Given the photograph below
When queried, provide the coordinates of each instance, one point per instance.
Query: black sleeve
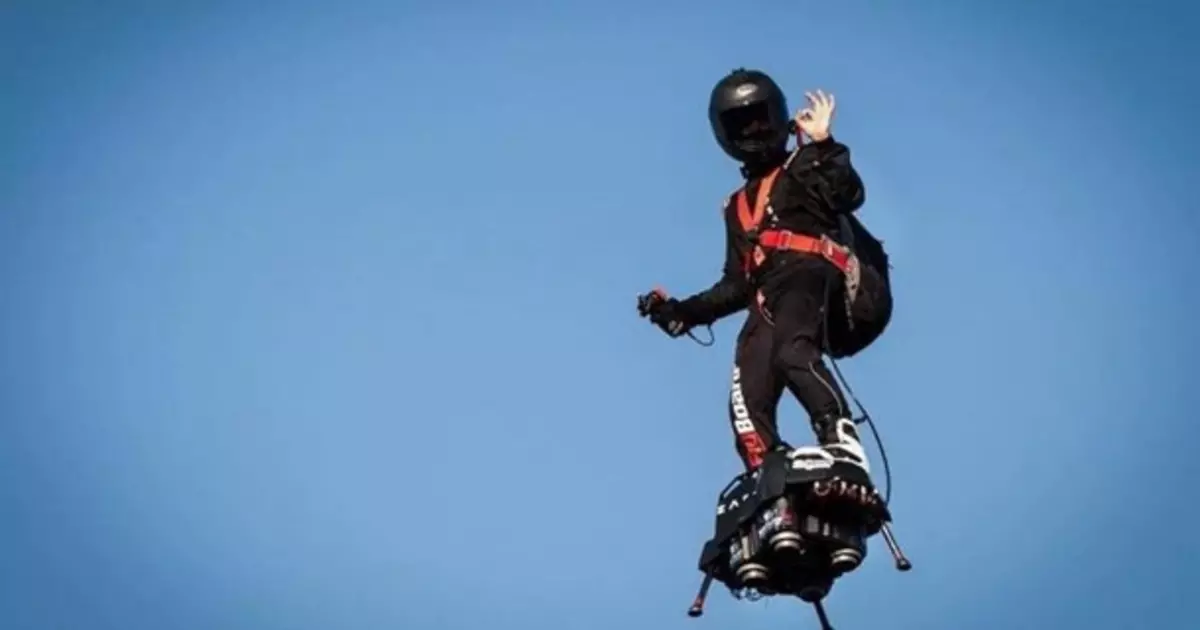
(728, 295)
(824, 167)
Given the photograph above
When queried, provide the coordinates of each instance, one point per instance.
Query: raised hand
(816, 120)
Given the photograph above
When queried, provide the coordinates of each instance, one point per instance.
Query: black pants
(780, 346)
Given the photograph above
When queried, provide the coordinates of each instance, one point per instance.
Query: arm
(824, 167)
(726, 296)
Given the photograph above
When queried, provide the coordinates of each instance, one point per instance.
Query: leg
(753, 398)
(797, 307)
(755, 392)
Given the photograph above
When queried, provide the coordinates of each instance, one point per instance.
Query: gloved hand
(665, 312)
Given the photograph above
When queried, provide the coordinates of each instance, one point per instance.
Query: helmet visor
(749, 126)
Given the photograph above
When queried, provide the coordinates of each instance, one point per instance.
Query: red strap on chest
(751, 218)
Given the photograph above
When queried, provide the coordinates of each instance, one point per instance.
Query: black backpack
(851, 327)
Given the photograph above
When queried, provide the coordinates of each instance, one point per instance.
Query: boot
(839, 437)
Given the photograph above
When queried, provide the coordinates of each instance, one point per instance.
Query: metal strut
(902, 563)
(697, 608)
(821, 616)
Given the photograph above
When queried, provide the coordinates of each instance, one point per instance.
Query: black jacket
(817, 184)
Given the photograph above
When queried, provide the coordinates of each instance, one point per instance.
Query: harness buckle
(785, 239)
(835, 253)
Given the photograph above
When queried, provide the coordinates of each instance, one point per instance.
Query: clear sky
(321, 315)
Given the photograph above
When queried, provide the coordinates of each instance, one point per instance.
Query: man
(806, 293)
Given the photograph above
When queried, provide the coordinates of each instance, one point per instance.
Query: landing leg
(902, 563)
(821, 616)
(697, 608)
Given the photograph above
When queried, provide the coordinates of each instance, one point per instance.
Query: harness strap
(751, 218)
(824, 246)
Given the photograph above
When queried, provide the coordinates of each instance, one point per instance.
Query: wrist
(693, 311)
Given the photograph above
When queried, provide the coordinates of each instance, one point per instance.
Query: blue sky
(322, 315)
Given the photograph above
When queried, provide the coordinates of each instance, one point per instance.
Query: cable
(712, 337)
(866, 417)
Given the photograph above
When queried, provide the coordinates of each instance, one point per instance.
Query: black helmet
(749, 116)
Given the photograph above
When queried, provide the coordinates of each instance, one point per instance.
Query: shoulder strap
(750, 218)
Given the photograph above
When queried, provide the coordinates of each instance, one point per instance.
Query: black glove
(665, 312)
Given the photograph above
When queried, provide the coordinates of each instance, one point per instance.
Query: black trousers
(780, 346)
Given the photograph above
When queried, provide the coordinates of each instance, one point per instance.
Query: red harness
(825, 247)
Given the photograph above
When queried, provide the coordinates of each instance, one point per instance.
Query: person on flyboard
(813, 279)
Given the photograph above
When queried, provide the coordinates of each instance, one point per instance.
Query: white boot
(839, 437)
